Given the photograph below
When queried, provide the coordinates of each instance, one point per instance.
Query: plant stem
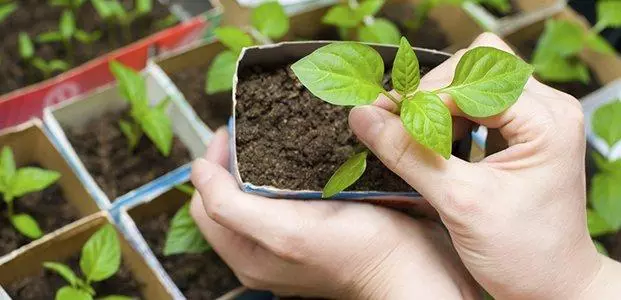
(259, 37)
(10, 211)
(599, 26)
(392, 98)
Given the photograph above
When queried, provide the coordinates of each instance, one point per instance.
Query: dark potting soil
(288, 138)
(48, 207)
(214, 110)
(498, 14)
(37, 16)
(117, 170)
(430, 35)
(198, 276)
(44, 284)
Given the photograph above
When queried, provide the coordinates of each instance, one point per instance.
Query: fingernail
(366, 122)
(202, 171)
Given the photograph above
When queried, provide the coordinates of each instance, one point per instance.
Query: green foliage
(183, 235)
(27, 53)
(26, 47)
(607, 122)
(15, 183)
(346, 175)
(67, 33)
(380, 31)
(422, 9)
(600, 248)
(608, 14)
(270, 20)
(70, 4)
(113, 12)
(100, 260)
(357, 22)
(169, 21)
(6, 10)
(152, 121)
(487, 81)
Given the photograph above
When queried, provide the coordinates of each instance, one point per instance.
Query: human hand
(322, 248)
(517, 218)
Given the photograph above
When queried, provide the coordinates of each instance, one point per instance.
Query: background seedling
(73, 5)
(113, 12)
(183, 235)
(6, 9)
(357, 21)
(269, 21)
(27, 54)
(100, 260)
(15, 183)
(556, 55)
(422, 10)
(487, 81)
(68, 32)
(151, 121)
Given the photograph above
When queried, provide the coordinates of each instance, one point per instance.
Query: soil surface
(574, 88)
(48, 207)
(198, 276)
(45, 284)
(288, 138)
(117, 170)
(214, 110)
(37, 16)
(498, 14)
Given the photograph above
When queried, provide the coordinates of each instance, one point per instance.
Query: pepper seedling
(15, 183)
(422, 10)
(68, 32)
(113, 12)
(100, 259)
(73, 5)
(556, 55)
(6, 9)
(357, 21)
(152, 121)
(269, 21)
(487, 81)
(183, 235)
(27, 54)
(604, 214)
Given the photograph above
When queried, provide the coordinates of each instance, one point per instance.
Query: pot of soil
(190, 274)
(109, 164)
(52, 201)
(24, 276)
(286, 143)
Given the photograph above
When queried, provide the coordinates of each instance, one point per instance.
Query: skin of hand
(517, 218)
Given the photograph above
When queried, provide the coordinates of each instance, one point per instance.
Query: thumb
(446, 184)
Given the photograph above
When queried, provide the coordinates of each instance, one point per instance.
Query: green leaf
(169, 21)
(7, 168)
(605, 165)
(186, 189)
(67, 25)
(163, 105)
(158, 127)
(597, 225)
(26, 48)
(270, 20)
(346, 175)
(599, 44)
(607, 122)
(233, 38)
(101, 255)
(58, 65)
(559, 69)
(117, 297)
(369, 8)
(342, 73)
(26, 225)
(609, 13)
(341, 16)
(487, 81)
(405, 69)
(49, 37)
(600, 248)
(503, 6)
(220, 73)
(381, 31)
(605, 196)
(104, 10)
(183, 235)
(131, 84)
(429, 122)
(71, 293)
(64, 271)
(87, 38)
(143, 7)
(30, 179)
(560, 37)
(132, 133)
(6, 10)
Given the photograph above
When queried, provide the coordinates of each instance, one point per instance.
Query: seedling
(6, 9)
(100, 260)
(15, 183)
(73, 5)
(556, 56)
(487, 81)
(183, 235)
(169, 21)
(269, 21)
(357, 21)
(604, 216)
(68, 32)
(113, 12)
(151, 121)
(27, 54)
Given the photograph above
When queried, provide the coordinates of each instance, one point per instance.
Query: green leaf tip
(405, 69)
(429, 121)
(346, 175)
(101, 255)
(183, 235)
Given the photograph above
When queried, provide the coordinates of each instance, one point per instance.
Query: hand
(517, 218)
(322, 248)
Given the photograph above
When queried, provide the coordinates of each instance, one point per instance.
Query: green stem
(70, 52)
(599, 26)
(393, 99)
(10, 209)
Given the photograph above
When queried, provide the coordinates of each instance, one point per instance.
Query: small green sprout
(27, 54)
(356, 21)
(152, 121)
(6, 9)
(183, 235)
(100, 260)
(113, 12)
(73, 5)
(68, 32)
(269, 21)
(487, 81)
(15, 183)
(556, 57)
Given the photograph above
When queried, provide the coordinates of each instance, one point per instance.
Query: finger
(217, 151)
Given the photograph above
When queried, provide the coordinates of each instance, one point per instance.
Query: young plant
(357, 21)
(6, 9)
(422, 10)
(269, 21)
(68, 32)
(183, 235)
(113, 12)
(487, 81)
(15, 183)
(73, 5)
(556, 55)
(27, 54)
(152, 121)
(604, 214)
(100, 260)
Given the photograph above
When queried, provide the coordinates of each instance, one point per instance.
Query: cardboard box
(68, 242)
